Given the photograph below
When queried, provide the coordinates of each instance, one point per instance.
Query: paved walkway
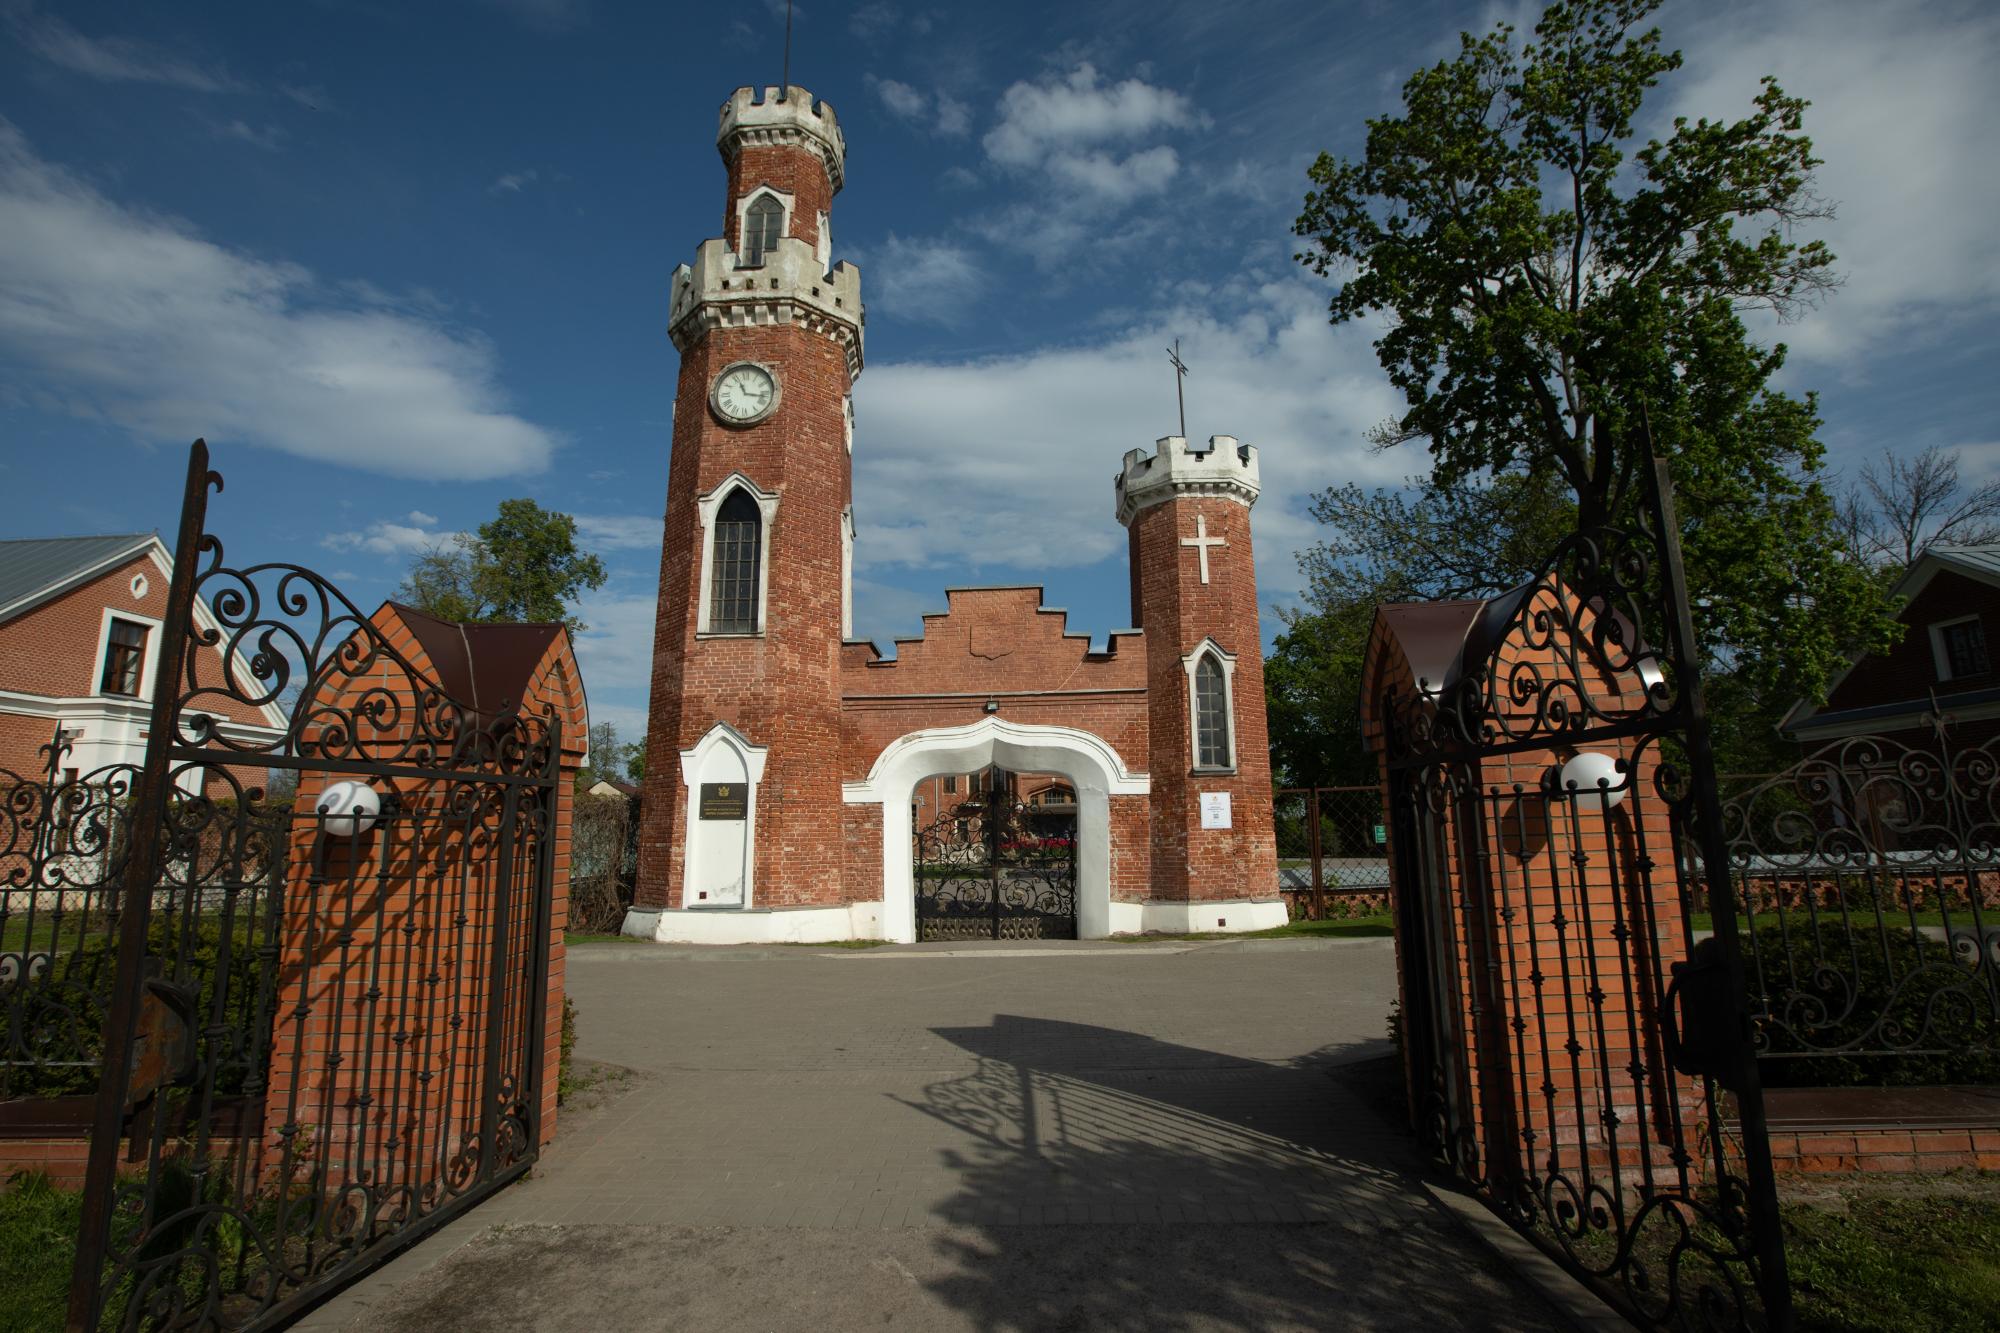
(1105, 1136)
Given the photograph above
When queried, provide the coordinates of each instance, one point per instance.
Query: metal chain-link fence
(1333, 851)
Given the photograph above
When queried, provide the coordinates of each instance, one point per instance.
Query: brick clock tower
(1186, 513)
(743, 764)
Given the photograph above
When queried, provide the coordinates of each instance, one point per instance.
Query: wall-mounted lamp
(1599, 783)
(992, 705)
(348, 809)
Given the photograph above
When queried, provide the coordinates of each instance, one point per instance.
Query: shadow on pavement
(1214, 1191)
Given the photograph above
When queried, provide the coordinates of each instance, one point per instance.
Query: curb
(1580, 1307)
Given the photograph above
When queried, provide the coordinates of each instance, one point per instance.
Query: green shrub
(566, 1082)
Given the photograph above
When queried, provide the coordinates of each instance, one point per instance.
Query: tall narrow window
(1964, 645)
(1211, 715)
(762, 224)
(124, 655)
(732, 597)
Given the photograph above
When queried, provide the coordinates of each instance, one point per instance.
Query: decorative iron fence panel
(1869, 876)
(1570, 1034)
(996, 868)
(322, 1020)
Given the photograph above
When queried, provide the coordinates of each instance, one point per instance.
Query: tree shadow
(1114, 1181)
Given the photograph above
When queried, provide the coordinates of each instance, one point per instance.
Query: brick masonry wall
(1884, 1149)
(1908, 669)
(1179, 610)
(781, 688)
(787, 170)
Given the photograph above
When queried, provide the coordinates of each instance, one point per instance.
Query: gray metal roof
(31, 570)
(1983, 559)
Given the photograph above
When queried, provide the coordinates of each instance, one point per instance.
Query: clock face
(744, 393)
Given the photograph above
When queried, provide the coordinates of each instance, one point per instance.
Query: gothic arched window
(763, 223)
(732, 598)
(1211, 714)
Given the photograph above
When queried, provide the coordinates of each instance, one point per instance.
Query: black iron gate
(995, 868)
(321, 1019)
(1568, 941)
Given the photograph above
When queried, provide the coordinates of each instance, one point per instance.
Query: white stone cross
(1201, 541)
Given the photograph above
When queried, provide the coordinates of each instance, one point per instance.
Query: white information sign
(1215, 809)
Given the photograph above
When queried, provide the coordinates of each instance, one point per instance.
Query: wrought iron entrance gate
(1568, 937)
(995, 868)
(321, 1019)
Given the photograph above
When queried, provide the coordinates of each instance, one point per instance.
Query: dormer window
(763, 223)
(1959, 647)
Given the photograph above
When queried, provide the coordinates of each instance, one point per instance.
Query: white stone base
(792, 925)
(1178, 918)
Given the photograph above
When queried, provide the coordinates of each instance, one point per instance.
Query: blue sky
(399, 262)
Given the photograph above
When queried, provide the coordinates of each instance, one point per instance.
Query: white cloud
(941, 113)
(133, 318)
(115, 59)
(270, 138)
(1903, 107)
(511, 182)
(1034, 440)
(1047, 121)
(416, 532)
(932, 281)
(615, 655)
(619, 532)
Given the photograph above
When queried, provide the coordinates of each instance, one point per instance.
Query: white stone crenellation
(791, 286)
(759, 116)
(1226, 469)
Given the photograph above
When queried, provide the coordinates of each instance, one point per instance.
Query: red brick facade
(52, 652)
(815, 715)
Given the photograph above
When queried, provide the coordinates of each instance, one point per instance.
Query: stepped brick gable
(785, 757)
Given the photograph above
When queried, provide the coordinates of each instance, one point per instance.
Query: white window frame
(706, 508)
(1227, 661)
(694, 764)
(1942, 659)
(147, 659)
(783, 201)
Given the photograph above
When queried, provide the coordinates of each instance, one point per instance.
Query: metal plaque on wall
(725, 800)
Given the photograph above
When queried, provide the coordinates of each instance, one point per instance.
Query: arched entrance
(989, 865)
(1093, 770)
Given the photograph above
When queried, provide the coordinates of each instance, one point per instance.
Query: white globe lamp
(348, 809)
(1597, 783)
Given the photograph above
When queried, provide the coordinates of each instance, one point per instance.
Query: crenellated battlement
(1226, 468)
(790, 286)
(759, 116)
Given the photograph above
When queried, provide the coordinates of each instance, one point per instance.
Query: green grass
(18, 933)
(1345, 928)
(38, 1225)
(1912, 1265)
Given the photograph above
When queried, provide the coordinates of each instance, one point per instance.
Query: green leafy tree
(522, 565)
(1433, 543)
(635, 761)
(1561, 298)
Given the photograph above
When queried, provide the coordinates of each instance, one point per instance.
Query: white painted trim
(1227, 660)
(753, 757)
(793, 925)
(783, 200)
(1090, 766)
(148, 658)
(1180, 918)
(116, 707)
(1939, 657)
(847, 573)
(705, 509)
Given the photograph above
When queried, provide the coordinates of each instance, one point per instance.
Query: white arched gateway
(1086, 761)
